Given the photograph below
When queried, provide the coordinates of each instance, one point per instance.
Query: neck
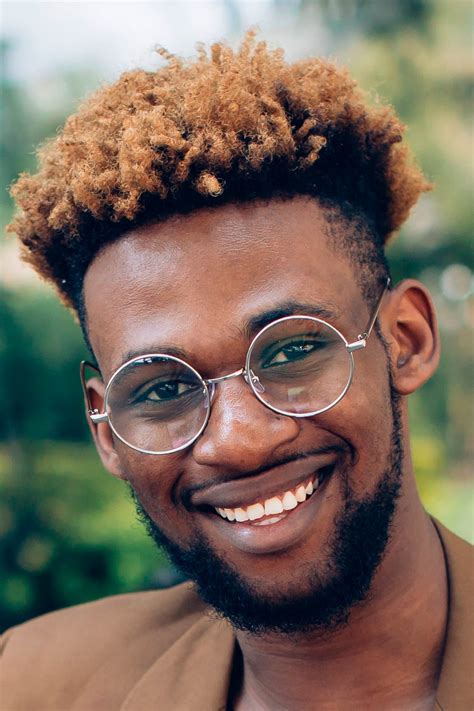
(387, 656)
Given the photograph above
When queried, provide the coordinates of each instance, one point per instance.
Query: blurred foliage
(68, 533)
(372, 18)
(68, 530)
(30, 114)
(40, 348)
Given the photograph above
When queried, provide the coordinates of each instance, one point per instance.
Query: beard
(362, 533)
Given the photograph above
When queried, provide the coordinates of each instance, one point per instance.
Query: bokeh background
(68, 530)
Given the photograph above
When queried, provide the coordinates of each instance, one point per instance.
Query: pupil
(169, 389)
(298, 348)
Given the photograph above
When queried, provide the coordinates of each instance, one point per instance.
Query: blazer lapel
(194, 673)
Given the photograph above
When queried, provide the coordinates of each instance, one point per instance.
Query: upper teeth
(286, 501)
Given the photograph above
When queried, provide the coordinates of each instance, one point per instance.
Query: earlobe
(410, 326)
(101, 433)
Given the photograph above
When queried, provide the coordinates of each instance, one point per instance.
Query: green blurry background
(68, 530)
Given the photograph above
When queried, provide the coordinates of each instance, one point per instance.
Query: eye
(281, 354)
(164, 391)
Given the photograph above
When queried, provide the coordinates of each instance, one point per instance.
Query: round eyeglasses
(298, 366)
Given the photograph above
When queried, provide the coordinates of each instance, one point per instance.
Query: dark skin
(192, 282)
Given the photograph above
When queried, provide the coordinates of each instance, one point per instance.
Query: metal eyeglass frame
(250, 378)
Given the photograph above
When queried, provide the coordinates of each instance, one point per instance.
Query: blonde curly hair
(226, 126)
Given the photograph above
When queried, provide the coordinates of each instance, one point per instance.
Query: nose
(242, 434)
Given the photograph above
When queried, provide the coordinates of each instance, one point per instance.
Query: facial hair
(362, 532)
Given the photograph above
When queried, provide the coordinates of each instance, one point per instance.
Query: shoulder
(71, 644)
(171, 611)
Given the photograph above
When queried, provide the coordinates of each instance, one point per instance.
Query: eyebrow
(250, 328)
(164, 348)
(288, 308)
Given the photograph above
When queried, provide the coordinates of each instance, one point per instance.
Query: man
(218, 226)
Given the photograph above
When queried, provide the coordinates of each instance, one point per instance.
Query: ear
(410, 327)
(101, 432)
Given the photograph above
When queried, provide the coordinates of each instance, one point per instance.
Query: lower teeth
(268, 521)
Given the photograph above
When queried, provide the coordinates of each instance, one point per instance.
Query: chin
(299, 589)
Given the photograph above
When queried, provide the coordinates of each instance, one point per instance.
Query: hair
(227, 126)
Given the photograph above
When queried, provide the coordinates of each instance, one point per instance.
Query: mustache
(339, 449)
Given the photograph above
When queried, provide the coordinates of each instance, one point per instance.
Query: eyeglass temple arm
(362, 338)
(94, 413)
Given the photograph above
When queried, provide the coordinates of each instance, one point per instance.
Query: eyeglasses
(298, 366)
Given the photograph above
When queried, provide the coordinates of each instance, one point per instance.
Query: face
(195, 285)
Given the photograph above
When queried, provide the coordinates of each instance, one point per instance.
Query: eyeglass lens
(302, 366)
(297, 366)
(157, 404)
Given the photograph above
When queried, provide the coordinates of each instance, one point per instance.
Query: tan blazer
(160, 651)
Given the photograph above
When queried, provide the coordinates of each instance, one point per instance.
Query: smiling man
(219, 228)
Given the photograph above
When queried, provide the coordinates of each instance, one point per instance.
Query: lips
(276, 533)
(246, 491)
(275, 505)
(240, 511)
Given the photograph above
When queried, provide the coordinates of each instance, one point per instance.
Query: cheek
(364, 419)
(374, 420)
(153, 479)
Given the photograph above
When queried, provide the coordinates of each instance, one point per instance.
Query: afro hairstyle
(225, 126)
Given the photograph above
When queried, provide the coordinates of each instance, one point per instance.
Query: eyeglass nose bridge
(249, 377)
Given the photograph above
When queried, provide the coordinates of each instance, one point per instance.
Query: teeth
(241, 515)
(274, 506)
(255, 511)
(269, 521)
(300, 494)
(289, 501)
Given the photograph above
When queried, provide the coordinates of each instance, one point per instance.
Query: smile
(278, 518)
(272, 510)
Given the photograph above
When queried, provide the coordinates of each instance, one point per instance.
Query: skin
(192, 282)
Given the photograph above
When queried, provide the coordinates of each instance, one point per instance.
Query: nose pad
(211, 389)
(253, 379)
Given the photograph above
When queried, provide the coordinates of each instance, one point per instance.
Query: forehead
(193, 279)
